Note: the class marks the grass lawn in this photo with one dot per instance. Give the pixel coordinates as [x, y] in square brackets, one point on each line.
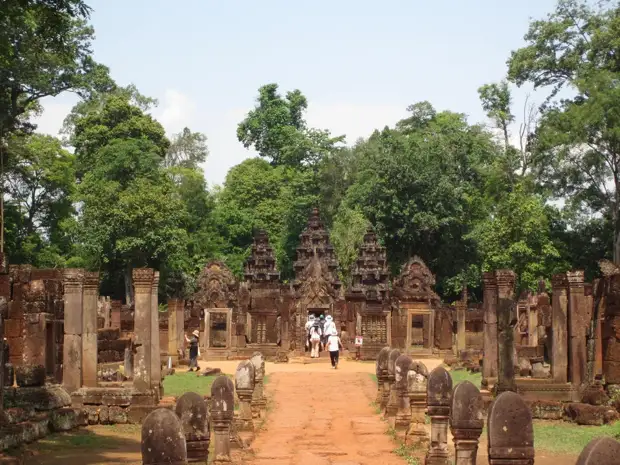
[569, 438]
[87, 439]
[180, 383]
[458, 376]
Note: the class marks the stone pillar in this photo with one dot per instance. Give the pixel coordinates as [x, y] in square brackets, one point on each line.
[181, 325]
[73, 280]
[163, 439]
[115, 314]
[600, 451]
[143, 288]
[191, 409]
[466, 422]
[489, 361]
[417, 381]
[577, 327]
[89, 329]
[173, 332]
[259, 403]
[439, 399]
[155, 345]
[403, 413]
[506, 321]
[244, 385]
[381, 370]
[222, 405]
[510, 431]
[391, 406]
[611, 334]
[559, 325]
[461, 316]
[532, 323]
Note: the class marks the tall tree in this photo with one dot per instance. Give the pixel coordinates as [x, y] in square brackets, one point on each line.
[578, 141]
[277, 130]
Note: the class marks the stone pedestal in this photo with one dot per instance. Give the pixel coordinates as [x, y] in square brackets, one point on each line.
[391, 406]
[143, 288]
[506, 320]
[163, 439]
[510, 431]
[489, 361]
[191, 409]
[417, 382]
[155, 345]
[89, 329]
[73, 280]
[259, 403]
[559, 323]
[577, 326]
[245, 384]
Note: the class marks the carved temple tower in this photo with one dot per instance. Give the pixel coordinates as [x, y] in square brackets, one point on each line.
[316, 285]
[263, 303]
[368, 298]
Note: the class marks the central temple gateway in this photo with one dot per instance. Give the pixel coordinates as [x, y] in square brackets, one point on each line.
[262, 313]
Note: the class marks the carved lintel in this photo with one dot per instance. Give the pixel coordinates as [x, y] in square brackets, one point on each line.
[575, 279]
[489, 281]
[91, 280]
[73, 279]
[505, 283]
[559, 281]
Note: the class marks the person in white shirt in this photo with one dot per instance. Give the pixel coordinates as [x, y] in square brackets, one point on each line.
[315, 340]
[334, 345]
[309, 325]
[329, 328]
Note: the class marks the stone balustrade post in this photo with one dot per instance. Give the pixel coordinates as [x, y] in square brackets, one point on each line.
[466, 422]
[222, 410]
[510, 431]
[417, 381]
[382, 377]
[259, 403]
[439, 399]
[191, 409]
[163, 440]
[402, 419]
[244, 385]
[391, 406]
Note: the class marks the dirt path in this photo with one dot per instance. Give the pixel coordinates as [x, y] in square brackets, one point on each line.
[322, 418]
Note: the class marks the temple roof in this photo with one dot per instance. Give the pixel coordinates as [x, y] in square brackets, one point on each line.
[415, 282]
[369, 274]
[261, 265]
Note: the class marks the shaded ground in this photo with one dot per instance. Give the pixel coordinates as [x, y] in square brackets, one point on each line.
[317, 416]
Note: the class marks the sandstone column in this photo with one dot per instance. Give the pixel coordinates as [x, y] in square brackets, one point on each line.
[461, 315]
[89, 329]
[173, 332]
[489, 361]
[532, 322]
[559, 325]
[611, 334]
[181, 325]
[505, 326]
[73, 279]
[439, 399]
[155, 345]
[115, 314]
[577, 327]
[143, 288]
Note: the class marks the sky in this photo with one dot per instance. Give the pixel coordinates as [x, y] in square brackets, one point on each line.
[360, 63]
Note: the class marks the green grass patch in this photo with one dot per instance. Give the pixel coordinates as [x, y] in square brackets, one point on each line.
[458, 376]
[373, 377]
[86, 439]
[180, 383]
[265, 380]
[569, 438]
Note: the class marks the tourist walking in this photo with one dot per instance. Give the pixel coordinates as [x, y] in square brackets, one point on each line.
[315, 340]
[194, 350]
[309, 325]
[329, 328]
[334, 345]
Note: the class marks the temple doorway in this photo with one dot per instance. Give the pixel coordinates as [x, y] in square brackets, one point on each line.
[419, 329]
[217, 328]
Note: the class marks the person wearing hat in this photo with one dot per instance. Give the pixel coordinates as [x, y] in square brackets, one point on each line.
[194, 350]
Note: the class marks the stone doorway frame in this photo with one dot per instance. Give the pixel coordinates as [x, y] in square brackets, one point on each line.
[207, 330]
[420, 309]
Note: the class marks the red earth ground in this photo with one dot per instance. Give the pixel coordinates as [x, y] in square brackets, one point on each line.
[316, 416]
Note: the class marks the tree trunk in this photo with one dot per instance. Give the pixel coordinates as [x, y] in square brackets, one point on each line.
[600, 290]
[128, 286]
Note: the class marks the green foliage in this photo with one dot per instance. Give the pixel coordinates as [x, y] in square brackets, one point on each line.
[347, 235]
[45, 49]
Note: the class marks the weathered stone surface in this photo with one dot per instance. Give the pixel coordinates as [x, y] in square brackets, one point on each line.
[466, 422]
[244, 385]
[63, 419]
[600, 451]
[417, 380]
[143, 283]
[439, 400]
[584, 414]
[546, 410]
[41, 398]
[222, 408]
[391, 406]
[403, 413]
[191, 409]
[510, 431]
[506, 321]
[163, 441]
[559, 312]
[30, 376]
[490, 360]
[595, 395]
[117, 415]
[381, 370]
[259, 402]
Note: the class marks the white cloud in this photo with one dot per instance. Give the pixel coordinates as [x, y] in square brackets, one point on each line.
[176, 111]
[54, 113]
